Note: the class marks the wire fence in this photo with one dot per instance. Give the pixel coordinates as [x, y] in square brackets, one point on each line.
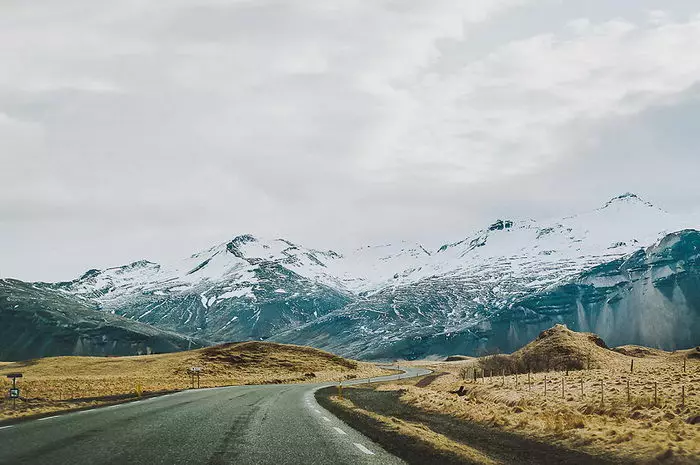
[652, 385]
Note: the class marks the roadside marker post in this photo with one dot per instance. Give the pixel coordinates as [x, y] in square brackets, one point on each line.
[14, 390]
[195, 371]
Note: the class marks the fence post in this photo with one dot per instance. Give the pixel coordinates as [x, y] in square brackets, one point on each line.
[682, 396]
[656, 399]
[503, 374]
[632, 366]
[684, 365]
[562, 387]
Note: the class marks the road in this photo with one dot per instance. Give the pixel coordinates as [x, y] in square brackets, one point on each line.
[270, 424]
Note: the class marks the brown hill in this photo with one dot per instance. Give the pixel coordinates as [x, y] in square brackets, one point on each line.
[57, 383]
[557, 348]
[632, 350]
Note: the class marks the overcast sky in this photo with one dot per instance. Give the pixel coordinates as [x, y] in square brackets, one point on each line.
[155, 128]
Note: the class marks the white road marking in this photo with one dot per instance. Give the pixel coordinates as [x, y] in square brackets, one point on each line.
[340, 431]
[317, 411]
[327, 419]
[48, 418]
[4, 427]
[363, 448]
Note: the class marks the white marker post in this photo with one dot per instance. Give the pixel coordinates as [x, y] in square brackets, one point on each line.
[195, 371]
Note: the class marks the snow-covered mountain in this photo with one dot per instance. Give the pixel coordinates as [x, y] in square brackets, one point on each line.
[38, 321]
[403, 299]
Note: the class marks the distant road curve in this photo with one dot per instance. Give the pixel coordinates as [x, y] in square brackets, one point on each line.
[271, 424]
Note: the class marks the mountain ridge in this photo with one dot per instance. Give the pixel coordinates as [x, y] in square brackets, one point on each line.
[394, 295]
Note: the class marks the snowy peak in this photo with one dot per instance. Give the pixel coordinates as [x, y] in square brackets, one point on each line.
[234, 246]
[628, 199]
[531, 249]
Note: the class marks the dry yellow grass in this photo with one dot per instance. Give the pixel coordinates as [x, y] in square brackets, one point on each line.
[59, 383]
[635, 428]
[421, 433]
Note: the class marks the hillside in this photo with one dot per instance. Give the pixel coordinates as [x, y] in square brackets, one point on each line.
[58, 383]
[40, 322]
[643, 408]
[628, 271]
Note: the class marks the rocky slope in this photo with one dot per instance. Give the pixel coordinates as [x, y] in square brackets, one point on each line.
[627, 270]
[38, 322]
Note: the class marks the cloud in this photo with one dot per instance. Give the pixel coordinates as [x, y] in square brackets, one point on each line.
[161, 126]
[531, 102]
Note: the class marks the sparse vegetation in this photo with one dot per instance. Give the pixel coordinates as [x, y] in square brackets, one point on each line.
[591, 410]
[59, 383]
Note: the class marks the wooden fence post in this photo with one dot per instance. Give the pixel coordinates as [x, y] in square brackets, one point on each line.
[545, 385]
[562, 387]
[682, 396]
[632, 366]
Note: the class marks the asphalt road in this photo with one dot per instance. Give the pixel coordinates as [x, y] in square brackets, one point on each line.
[270, 424]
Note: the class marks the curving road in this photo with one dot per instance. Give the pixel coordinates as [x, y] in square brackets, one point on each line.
[270, 424]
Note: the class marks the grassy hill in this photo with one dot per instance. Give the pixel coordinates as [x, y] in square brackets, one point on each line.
[564, 388]
[57, 383]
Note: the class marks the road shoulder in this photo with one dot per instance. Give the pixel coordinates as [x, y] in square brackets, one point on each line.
[421, 437]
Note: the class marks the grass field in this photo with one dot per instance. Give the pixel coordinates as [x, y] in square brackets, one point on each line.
[635, 428]
[59, 383]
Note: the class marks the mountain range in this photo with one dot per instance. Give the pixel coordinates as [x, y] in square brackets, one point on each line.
[628, 271]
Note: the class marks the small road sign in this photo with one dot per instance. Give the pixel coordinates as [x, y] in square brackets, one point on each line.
[14, 391]
[195, 372]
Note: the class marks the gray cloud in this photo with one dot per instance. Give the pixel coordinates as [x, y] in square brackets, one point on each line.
[152, 129]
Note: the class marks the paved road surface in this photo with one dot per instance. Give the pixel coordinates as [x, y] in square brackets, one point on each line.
[242, 425]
